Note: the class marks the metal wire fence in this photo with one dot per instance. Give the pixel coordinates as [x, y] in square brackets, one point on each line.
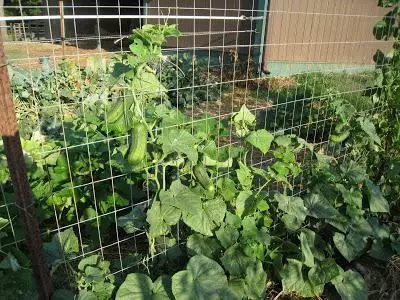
[282, 60]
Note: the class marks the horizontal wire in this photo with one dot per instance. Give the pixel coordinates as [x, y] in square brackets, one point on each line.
[220, 46]
[200, 9]
[111, 37]
[134, 7]
[113, 17]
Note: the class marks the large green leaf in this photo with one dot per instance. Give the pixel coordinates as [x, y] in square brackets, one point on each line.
[228, 189]
[202, 279]
[256, 280]
[244, 176]
[381, 248]
[161, 217]
[182, 197]
[103, 290]
[245, 203]
[243, 119]
[369, 128]
[295, 211]
[307, 241]
[350, 246]
[10, 262]
[293, 280]
[238, 287]
[318, 207]
[202, 245]
[147, 86]
[140, 286]
[210, 216]
[179, 141]
[235, 261]
[86, 295]
[227, 235]
[63, 244]
[354, 171]
[350, 286]
[132, 221]
[351, 196]
[18, 285]
[323, 272]
[377, 203]
[261, 139]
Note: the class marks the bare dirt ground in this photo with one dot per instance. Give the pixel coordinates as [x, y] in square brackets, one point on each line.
[27, 54]
[230, 102]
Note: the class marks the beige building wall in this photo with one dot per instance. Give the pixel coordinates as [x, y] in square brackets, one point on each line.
[329, 31]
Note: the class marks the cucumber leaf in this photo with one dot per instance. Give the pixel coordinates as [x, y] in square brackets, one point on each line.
[202, 279]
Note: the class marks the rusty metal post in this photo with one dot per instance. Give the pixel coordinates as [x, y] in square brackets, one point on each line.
[19, 178]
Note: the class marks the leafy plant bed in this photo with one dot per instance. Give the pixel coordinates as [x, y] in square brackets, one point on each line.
[138, 200]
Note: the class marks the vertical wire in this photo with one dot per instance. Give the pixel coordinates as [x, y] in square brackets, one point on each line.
[329, 96]
[235, 62]
[268, 17]
[208, 63]
[50, 26]
[251, 49]
[194, 60]
[109, 155]
[120, 29]
[221, 61]
[277, 104]
[177, 94]
[131, 191]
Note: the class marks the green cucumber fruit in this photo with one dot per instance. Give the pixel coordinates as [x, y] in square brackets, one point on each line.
[117, 109]
[338, 138]
[138, 147]
[201, 175]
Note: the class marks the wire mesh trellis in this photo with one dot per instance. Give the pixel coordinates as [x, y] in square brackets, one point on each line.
[276, 57]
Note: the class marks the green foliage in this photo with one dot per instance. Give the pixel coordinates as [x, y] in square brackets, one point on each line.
[28, 7]
[94, 276]
[202, 279]
[189, 80]
[295, 221]
[140, 286]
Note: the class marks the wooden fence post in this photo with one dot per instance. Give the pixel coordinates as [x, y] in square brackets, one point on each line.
[19, 178]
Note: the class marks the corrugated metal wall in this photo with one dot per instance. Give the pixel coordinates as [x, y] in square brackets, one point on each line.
[336, 31]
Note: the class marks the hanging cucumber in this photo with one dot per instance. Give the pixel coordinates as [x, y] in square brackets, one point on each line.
[117, 109]
[338, 138]
[201, 175]
[136, 155]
